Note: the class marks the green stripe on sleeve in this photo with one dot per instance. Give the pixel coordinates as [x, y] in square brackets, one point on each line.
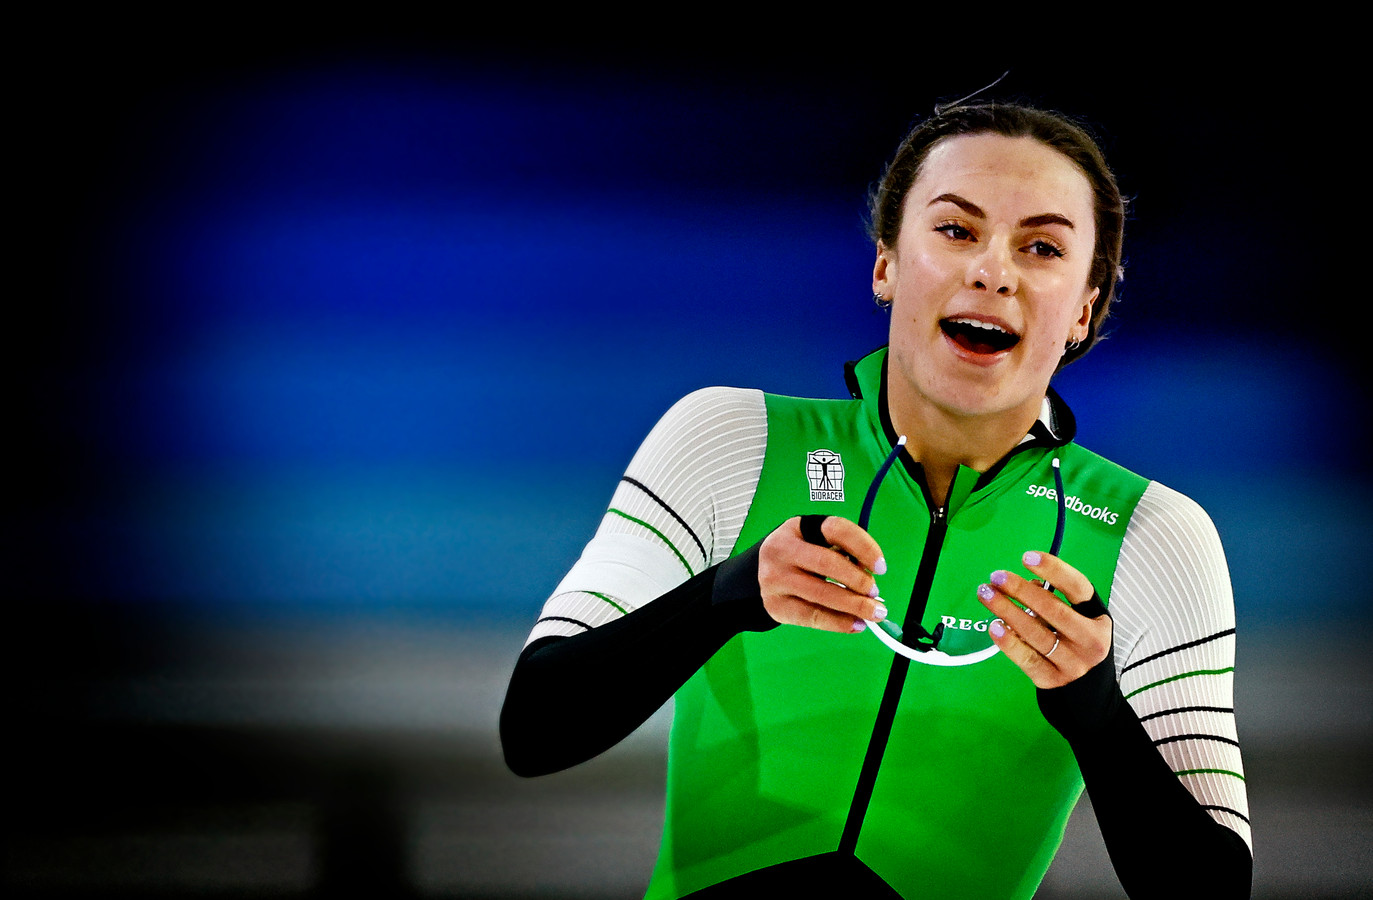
[622, 610]
[670, 546]
[1208, 772]
[1179, 678]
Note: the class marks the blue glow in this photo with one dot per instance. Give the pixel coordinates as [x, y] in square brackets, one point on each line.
[394, 336]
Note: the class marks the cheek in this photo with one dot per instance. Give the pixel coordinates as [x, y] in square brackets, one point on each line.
[1052, 332]
[1064, 305]
[922, 281]
[1048, 351]
[930, 267]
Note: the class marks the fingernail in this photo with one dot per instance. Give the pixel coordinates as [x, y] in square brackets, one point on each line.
[880, 567]
[999, 577]
[872, 591]
[1033, 557]
[879, 612]
[985, 591]
[996, 628]
[859, 625]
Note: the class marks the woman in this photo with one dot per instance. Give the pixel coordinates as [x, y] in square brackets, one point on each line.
[808, 759]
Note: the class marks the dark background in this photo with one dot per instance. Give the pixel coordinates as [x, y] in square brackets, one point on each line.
[327, 347]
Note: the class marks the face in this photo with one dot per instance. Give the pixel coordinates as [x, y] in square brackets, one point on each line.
[988, 278]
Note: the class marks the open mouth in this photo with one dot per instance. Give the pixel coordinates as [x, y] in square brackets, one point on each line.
[976, 336]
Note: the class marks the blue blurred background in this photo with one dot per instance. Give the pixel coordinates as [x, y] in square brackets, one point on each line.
[326, 355]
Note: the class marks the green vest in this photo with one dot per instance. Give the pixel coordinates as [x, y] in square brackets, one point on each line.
[945, 780]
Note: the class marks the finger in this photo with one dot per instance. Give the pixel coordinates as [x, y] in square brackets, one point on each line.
[846, 537]
[857, 556]
[1038, 602]
[818, 591]
[1066, 640]
[792, 571]
[835, 566]
[795, 610]
[1042, 671]
[1068, 580]
[1028, 627]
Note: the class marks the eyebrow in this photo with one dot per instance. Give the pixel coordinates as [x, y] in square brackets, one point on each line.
[973, 209]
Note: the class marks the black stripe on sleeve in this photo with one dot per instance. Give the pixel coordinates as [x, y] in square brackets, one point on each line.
[1196, 737]
[1225, 809]
[672, 512]
[1230, 710]
[563, 619]
[1199, 641]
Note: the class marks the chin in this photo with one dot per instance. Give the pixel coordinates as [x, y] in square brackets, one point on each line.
[980, 396]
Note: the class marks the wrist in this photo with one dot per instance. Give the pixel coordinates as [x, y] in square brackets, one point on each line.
[736, 595]
[1084, 707]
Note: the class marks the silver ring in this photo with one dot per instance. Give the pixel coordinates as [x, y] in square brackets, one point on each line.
[1053, 648]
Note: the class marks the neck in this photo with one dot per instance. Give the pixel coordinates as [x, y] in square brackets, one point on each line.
[941, 440]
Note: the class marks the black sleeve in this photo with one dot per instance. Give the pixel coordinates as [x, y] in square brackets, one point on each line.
[1161, 842]
[571, 698]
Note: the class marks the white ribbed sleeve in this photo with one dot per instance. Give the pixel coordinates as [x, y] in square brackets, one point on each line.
[1174, 620]
[677, 511]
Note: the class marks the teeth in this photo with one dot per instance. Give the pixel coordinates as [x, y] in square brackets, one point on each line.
[975, 323]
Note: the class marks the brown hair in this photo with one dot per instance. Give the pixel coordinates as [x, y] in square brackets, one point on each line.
[1013, 120]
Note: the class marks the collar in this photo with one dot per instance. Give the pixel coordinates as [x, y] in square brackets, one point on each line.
[867, 381]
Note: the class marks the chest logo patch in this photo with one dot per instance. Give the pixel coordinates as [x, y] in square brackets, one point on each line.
[825, 471]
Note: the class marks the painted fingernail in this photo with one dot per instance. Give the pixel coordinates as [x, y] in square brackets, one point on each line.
[985, 591]
[872, 591]
[859, 625]
[1033, 557]
[880, 567]
[999, 577]
[997, 628]
[879, 612]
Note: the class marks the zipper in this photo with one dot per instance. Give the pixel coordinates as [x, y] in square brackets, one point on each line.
[915, 636]
[896, 677]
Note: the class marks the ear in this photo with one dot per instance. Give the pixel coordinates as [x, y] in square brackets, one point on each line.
[884, 272]
[1084, 321]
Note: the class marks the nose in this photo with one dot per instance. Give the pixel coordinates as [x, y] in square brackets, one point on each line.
[994, 269]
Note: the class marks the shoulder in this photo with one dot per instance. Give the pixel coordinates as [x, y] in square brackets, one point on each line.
[1157, 508]
[709, 420]
[714, 406]
[1172, 577]
[684, 493]
[720, 399]
[1165, 513]
[1173, 538]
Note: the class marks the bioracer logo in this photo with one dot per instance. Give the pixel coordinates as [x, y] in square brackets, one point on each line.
[1075, 504]
[825, 471]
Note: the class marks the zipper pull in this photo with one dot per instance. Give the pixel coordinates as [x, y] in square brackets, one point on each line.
[936, 514]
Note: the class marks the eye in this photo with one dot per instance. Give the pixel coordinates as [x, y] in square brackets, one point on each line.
[954, 231]
[1045, 250]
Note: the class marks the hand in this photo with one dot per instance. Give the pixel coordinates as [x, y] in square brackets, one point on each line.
[798, 579]
[1052, 642]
